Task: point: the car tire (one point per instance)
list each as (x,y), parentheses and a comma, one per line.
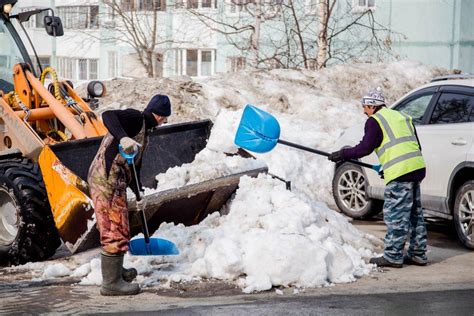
(349,187)
(463,214)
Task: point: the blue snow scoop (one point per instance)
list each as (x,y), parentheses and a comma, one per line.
(259,131)
(146,246)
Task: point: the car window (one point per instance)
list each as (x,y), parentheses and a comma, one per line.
(416,107)
(453,108)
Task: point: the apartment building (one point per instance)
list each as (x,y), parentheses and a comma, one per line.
(189,43)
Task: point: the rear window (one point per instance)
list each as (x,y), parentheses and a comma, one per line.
(453,108)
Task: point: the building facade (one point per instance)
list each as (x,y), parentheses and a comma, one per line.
(204,37)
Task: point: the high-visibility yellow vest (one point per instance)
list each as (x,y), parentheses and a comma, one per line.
(399,152)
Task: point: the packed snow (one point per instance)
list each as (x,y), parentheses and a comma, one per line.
(270,236)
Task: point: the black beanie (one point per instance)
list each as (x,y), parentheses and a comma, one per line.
(159,105)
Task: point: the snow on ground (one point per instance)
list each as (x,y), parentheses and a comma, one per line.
(270,236)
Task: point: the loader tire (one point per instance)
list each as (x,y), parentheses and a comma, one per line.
(27,230)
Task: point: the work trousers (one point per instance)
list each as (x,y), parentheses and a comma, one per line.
(403,216)
(109,195)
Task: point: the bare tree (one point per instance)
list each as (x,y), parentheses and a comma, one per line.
(362,35)
(243,30)
(325,10)
(307,40)
(137,27)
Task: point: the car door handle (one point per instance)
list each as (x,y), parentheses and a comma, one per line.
(459,142)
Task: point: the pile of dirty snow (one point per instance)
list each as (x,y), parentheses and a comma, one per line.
(269,236)
(312,107)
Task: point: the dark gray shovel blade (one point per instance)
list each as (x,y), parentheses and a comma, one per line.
(156,247)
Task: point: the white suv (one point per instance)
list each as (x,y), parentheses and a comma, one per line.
(443,113)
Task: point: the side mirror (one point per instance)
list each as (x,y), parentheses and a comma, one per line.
(53,25)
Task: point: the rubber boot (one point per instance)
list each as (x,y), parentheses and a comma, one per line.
(112,281)
(129,274)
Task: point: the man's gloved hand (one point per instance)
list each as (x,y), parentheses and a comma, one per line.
(129,146)
(336,156)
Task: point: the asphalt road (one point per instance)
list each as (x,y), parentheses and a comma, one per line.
(456,302)
(444,287)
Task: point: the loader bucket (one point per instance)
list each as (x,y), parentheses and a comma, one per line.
(65,167)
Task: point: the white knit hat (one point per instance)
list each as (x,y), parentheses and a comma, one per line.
(374,97)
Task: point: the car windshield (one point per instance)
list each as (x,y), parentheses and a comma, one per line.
(9,56)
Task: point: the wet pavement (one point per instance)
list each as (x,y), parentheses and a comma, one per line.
(444,287)
(458,302)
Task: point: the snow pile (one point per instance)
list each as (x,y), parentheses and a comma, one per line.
(56,270)
(270,236)
(312,107)
(288,91)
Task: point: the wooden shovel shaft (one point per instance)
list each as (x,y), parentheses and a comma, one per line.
(323,153)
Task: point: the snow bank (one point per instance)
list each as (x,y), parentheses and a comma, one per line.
(270,236)
(312,107)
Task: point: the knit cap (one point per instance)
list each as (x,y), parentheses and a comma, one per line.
(159,105)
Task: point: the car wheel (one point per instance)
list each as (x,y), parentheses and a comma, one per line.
(463,214)
(349,187)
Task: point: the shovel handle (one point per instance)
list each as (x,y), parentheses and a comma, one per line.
(323,153)
(131,161)
(142,211)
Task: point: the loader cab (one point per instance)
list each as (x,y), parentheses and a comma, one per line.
(12,48)
(12,51)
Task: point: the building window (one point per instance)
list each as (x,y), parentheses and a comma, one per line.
(143,5)
(112,63)
(93,69)
(82,69)
(192,4)
(195,4)
(77,68)
(362,5)
(192,62)
(94,16)
(236,63)
(195,62)
(206,63)
(79,17)
(206,3)
(148,5)
(128,5)
(237,6)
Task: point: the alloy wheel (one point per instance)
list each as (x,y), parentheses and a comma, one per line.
(351,188)
(465,212)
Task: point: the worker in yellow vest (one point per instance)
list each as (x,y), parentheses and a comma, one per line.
(392,135)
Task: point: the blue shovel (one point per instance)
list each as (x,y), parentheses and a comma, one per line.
(259,132)
(146,246)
